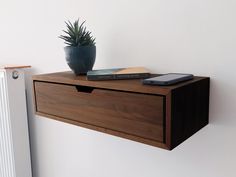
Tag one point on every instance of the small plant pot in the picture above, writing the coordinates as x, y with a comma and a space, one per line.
80, 59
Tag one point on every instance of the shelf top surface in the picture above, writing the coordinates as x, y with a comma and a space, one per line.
14, 66
132, 85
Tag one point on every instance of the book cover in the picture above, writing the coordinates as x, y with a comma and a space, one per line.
118, 73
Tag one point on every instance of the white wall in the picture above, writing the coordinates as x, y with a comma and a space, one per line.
164, 35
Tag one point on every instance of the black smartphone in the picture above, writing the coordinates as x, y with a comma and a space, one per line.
168, 79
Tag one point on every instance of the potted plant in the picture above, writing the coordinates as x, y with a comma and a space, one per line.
81, 50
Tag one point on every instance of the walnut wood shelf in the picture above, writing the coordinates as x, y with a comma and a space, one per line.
162, 116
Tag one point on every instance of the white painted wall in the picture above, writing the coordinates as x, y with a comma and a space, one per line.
189, 36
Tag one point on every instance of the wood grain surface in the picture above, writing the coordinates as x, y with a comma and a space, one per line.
132, 113
162, 116
131, 85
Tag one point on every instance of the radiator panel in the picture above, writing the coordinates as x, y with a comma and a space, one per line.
14, 138
7, 167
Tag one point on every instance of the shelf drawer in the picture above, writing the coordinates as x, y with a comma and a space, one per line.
135, 114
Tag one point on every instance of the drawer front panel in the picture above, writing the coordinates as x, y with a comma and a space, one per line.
135, 114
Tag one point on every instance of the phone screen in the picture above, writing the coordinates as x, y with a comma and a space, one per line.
168, 79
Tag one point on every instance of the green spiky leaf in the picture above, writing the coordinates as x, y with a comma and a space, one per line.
77, 34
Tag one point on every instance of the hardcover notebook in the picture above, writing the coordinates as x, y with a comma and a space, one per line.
118, 73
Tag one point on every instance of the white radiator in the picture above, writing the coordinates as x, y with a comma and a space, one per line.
14, 138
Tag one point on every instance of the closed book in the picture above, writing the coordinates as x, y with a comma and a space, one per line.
118, 73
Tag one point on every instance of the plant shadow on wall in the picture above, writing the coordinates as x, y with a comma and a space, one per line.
81, 50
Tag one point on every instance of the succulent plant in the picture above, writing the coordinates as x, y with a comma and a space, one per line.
77, 35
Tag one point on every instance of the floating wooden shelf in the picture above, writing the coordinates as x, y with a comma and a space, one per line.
162, 116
